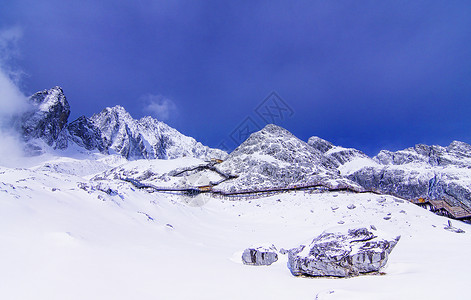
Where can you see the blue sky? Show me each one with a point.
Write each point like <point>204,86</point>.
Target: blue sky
<point>366,74</point>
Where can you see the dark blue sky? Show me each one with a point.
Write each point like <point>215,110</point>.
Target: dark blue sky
<point>363,74</point>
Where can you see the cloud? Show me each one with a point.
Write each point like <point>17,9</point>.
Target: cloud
<point>12,101</point>
<point>159,107</point>
<point>9,39</point>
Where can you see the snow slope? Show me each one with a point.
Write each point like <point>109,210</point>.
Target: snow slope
<point>64,236</point>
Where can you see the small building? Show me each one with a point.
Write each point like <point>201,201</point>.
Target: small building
<point>205,188</point>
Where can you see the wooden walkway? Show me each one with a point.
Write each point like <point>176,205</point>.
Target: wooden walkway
<point>444,208</point>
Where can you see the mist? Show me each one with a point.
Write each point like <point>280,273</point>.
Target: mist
<point>12,101</point>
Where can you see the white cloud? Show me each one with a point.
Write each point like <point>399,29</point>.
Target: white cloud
<point>159,107</point>
<point>8,42</point>
<point>12,100</point>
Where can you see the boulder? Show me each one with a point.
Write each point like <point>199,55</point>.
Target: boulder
<point>341,254</point>
<point>260,256</point>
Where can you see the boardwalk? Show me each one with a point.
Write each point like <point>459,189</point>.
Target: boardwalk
<point>444,208</point>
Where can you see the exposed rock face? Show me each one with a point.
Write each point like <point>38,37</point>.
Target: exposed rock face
<point>433,172</point>
<point>46,117</point>
<point>341,254</point>
<point>85,134</point>
<point>260,256</point>
<point>273,157</point>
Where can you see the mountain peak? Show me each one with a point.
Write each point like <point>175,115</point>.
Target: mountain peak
<point>116,110</point>
<point>274,129</point>
<point>274,157</point>
<point>48,114</point>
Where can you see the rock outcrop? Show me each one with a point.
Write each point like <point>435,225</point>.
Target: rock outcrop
<point>260,256</point>
<point>46,118</point>
<point>432,172</point>
<point>85,134</point>
<point>341,254</point>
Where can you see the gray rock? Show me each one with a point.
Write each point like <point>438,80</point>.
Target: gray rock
<point>451,228</point>
<point>46,117</point>
<point>341,254</point>
<point>85,134</point>
<point>260,256</point>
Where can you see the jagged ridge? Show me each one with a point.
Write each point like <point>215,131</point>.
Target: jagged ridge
<point>113,130</point>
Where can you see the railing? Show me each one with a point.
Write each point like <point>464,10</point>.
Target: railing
<point>457,212</point>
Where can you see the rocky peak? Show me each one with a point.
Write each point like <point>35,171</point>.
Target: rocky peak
<point>273,157</point>
<point>280,144</point>
<point>459,149</point>
<point>47,115</point>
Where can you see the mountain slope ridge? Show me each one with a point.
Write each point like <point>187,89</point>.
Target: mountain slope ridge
<point>113,130</point>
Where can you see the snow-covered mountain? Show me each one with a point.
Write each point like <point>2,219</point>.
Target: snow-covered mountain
<point>134,139</point>
<point>432,172</point>
<point>81,228</point>
<point>273,158</point>
<point>270,158</point>
<point>111,131</point>
<point>46,120</point>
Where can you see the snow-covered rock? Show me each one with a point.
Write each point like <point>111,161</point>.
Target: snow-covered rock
<point>341,254</point>
<point>433,172</point>
<point>83,132</point>
<point>260,255</point>
<point>46,118</point>
<point>457,154</point>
